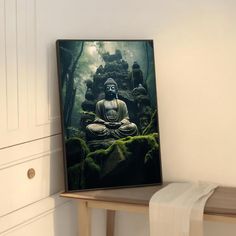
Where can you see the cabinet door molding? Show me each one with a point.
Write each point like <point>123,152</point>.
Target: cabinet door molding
<point>29,105</point>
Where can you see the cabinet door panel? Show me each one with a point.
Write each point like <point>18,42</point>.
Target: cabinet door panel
<point>52,216</point>
<point>29,104</point>
<point>17,190</point>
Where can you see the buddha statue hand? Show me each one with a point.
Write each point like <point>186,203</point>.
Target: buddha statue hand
<point>112,125</point>
<point>125,122</point>
<point>99,121</point>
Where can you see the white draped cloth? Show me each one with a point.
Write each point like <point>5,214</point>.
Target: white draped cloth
<point>177,209</point>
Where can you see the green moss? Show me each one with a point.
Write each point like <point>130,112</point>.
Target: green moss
<point>91,174</point>
<point>78,142</point>
<point>125,144</point>
<point>125,162</point>
<point>152,127</point>
<point>76,151</point>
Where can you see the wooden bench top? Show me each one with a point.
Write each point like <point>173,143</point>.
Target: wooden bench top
<point>222,202</point>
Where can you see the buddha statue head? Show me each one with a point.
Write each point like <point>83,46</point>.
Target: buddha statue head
<point>111,89</point>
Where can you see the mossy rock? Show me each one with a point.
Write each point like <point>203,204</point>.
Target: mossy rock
<point>128,161</point>
<point>91,174</point>
<point>100,144</point>
<point>74,176</point>
<point>76,151</point>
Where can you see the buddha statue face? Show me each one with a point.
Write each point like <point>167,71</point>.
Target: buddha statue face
<point>111,90</point>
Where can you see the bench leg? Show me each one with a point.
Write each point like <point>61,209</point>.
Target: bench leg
<point>84,224</point>
<point>110,222</point>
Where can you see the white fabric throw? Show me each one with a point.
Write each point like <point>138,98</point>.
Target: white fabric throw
<point>177,209</point>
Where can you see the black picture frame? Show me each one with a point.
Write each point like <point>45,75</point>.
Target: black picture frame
<point>110,138</point>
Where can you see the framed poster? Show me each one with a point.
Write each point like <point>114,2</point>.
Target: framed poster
<point>109,113</point>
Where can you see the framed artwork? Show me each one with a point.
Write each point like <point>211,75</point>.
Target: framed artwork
<point>109,114</point>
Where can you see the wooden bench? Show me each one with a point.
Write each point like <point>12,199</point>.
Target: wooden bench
<point>221,206</point>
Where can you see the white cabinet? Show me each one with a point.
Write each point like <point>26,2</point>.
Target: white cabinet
<point>29,104</point>
<point>52,216</point>
<point>17,189</point>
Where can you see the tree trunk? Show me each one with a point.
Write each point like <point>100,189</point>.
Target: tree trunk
<point>70,93</point>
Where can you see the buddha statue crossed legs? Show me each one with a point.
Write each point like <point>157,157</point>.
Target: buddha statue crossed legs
<point>112,118</point>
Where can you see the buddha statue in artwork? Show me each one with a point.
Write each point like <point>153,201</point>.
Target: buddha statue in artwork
<point>112,118</point>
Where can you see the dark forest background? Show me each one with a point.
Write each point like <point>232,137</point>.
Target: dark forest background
<point>79,61</point>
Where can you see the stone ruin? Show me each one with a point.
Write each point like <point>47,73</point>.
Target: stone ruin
<point>132,90</point>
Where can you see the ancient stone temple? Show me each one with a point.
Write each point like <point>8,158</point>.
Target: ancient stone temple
<point>132,90</point>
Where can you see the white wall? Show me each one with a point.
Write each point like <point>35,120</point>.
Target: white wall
<point>196,70</point>
<point>196,67</point>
